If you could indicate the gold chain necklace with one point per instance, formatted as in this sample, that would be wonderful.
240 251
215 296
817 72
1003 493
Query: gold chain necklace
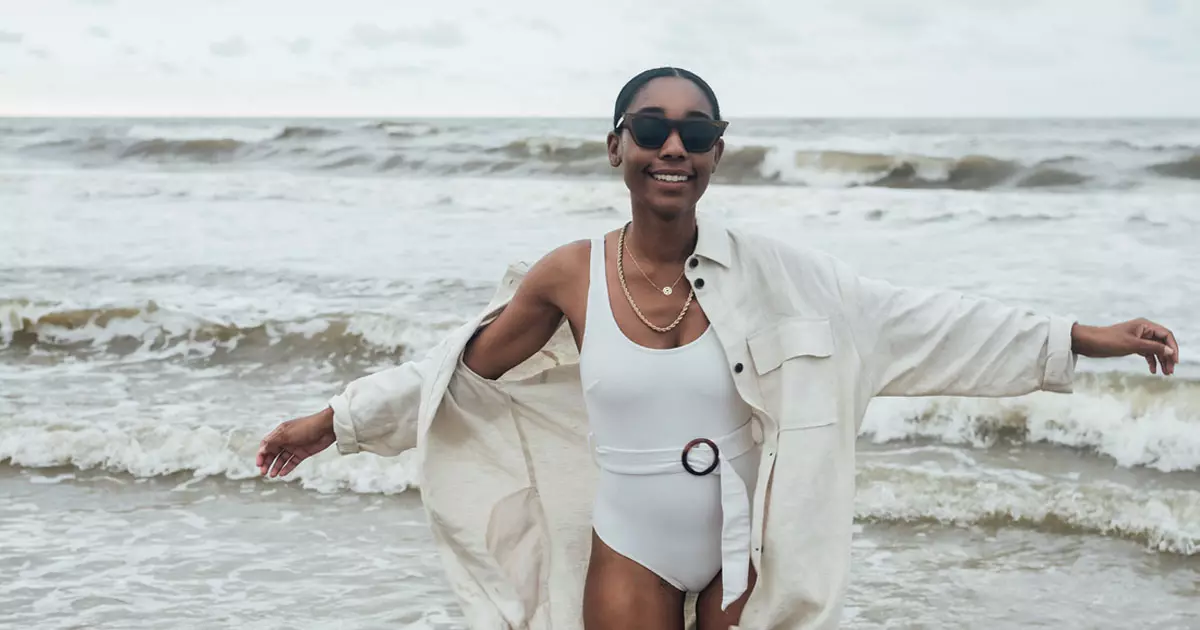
624 287
667 290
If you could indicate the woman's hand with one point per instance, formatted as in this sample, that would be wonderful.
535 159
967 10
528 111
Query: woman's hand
1138 336
295 441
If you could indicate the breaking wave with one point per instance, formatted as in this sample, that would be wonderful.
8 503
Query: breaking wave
213 150
426 149
152 332
305 132
1188 168
156 449
1140 423
1134 420
1167 520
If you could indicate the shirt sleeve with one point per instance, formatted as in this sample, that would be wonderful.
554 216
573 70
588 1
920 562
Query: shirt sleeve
378 413
922 342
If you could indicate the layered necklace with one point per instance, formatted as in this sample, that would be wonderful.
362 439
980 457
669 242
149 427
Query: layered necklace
667 290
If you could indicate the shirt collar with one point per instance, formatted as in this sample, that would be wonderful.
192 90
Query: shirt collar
712 241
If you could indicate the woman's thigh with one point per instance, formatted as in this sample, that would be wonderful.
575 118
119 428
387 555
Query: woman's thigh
621 594
709 615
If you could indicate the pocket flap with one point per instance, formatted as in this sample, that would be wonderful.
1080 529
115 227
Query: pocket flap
796 337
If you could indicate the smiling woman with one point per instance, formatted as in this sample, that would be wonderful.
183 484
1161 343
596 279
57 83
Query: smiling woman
717 418
678 155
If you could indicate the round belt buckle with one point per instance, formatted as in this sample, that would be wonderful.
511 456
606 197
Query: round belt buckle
693 444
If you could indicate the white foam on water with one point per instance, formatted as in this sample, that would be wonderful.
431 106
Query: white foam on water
161 333
1167 520
243 133
153 450
1136 425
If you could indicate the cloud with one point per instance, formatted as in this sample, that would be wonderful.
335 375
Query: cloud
369 76
542 26
300 46
40 53
1162 7
440 34
765 58
232 47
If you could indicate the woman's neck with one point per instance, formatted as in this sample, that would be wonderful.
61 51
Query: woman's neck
663 240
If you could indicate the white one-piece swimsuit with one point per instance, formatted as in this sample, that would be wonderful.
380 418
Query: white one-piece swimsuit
644 407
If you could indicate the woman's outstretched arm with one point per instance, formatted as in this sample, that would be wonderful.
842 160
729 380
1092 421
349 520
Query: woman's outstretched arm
919 342
378 413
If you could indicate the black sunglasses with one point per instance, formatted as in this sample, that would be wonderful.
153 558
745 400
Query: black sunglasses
650 131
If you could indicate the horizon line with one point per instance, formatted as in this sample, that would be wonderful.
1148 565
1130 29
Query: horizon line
99 116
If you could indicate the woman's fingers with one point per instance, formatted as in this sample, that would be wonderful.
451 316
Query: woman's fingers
269 449
266 455
282 450
272 453
1172 353
293 460
1155 352
1168 350
279 462
294 441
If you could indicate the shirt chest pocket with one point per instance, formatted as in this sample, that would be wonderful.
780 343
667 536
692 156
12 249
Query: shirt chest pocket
795 362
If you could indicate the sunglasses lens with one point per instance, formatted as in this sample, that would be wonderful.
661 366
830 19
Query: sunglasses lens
649 132
698 136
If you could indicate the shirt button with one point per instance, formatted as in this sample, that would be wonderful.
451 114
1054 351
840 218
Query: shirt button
699 283
737 368
693 262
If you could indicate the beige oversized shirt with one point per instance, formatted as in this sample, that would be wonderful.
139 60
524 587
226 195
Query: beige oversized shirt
507 479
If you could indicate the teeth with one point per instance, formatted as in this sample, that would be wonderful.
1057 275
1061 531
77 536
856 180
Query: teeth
669 178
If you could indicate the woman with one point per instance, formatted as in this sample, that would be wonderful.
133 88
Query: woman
672 408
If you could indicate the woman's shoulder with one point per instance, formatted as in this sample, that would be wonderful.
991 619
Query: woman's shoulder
568 260
762 248
561 266
821 276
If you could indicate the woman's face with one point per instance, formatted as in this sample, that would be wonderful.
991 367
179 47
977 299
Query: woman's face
645 169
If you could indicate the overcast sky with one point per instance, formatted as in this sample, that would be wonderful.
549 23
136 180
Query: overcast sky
561 57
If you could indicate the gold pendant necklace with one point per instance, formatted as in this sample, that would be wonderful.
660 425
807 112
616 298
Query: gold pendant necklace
667 290
628 296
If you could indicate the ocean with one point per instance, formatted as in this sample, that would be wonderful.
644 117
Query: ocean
172 289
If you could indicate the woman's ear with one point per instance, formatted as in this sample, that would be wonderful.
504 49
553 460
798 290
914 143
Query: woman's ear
719 150
614 149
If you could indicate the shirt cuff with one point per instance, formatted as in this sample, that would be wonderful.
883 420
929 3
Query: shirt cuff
1059 374
343 427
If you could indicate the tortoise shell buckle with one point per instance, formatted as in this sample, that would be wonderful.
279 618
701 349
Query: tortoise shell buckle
693 444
